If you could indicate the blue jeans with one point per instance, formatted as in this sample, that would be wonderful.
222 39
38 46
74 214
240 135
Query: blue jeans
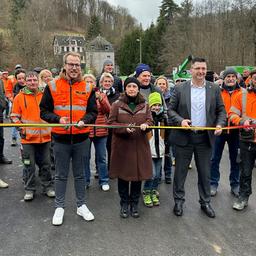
232 140
152 184
87 171
100 161
15 133
63 153
101 158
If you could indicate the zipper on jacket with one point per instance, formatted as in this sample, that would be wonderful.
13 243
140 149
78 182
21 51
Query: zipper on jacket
40 130
71 116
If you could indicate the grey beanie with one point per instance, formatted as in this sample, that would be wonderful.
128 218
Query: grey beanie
107 62
229 71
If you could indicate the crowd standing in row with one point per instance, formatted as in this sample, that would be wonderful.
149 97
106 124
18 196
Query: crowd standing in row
132 152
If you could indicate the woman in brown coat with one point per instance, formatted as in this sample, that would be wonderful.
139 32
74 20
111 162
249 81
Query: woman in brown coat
130 157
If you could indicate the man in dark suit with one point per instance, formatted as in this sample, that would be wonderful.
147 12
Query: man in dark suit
198 103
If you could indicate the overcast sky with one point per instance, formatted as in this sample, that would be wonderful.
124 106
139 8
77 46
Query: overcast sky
145 11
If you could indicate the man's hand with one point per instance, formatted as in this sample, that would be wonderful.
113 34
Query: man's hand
218 130
186 123
80 124
246 123
64 120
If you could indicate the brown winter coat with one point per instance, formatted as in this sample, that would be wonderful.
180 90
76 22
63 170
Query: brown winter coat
130 157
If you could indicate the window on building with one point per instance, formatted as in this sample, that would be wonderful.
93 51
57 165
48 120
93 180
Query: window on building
67 48
73 42
62 48
73 49
106 47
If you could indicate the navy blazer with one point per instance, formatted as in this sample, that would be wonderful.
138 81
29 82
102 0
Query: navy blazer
180 108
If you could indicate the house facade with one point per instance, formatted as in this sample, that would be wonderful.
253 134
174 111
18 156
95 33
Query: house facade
93 53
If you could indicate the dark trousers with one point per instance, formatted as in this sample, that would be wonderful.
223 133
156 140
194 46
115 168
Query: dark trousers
1 134
248 157
129 191
199 145
232 140
30 160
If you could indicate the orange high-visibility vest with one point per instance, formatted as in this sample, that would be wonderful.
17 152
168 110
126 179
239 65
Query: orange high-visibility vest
70 101
26 110
243 108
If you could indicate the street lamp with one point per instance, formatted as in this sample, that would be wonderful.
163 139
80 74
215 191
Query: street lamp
139 40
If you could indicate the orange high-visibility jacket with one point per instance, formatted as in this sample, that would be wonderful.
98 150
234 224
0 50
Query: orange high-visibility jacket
9 88
26 110
243 107
70 101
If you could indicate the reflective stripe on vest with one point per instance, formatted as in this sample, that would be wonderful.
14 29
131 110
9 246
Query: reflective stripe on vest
66 106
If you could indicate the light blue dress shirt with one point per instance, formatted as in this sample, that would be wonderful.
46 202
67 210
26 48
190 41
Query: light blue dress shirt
198 105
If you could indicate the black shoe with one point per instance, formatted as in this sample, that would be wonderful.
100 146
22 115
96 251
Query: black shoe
134 211
178 208
124 211
4 160
207 209
168 180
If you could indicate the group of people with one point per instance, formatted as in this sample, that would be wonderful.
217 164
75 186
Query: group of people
126 123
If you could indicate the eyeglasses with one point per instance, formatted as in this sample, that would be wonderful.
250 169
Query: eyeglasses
72 65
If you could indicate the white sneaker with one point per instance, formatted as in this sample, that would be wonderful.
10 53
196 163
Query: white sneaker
50 193
57 218
84 212
3 184
29 195
105 187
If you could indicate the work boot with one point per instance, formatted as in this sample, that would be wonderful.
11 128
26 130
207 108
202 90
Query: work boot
29 195
240 204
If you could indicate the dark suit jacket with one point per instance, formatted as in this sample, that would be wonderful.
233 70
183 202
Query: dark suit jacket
180 108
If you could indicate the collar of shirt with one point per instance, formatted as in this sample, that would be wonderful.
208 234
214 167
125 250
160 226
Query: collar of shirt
196 86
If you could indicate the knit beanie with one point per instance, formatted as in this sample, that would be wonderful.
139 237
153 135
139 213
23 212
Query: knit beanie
229 71
107 62
141 68
154 98
129 80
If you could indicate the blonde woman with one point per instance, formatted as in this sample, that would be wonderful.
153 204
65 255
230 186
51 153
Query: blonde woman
45 76
99 136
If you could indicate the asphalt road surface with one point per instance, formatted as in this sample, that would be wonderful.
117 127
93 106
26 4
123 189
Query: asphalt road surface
26 229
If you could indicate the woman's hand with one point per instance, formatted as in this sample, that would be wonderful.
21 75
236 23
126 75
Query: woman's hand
143 127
